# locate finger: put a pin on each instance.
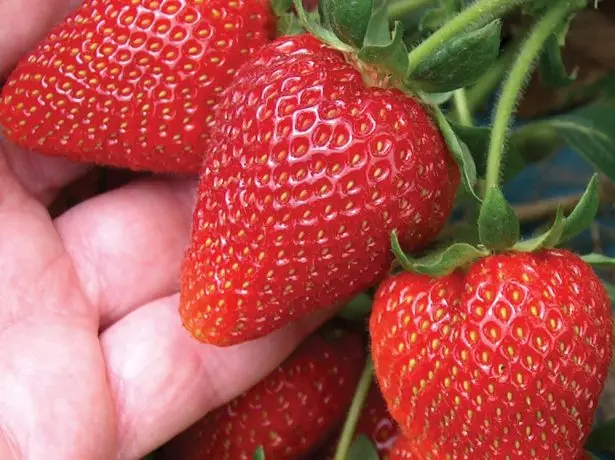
(164, 381)
(22, 26)
(127, 245)
(41, 176)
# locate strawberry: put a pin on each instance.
(403, 449)
(504, 360)
(308, 172)
(375, 423)
(132, 83)
(289, 413)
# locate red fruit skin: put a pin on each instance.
(131, 84)
(289, 413)
(403, 450)
(308, 173)
(506, 360)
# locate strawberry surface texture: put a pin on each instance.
(132, 83)
(505, 360)
(289, 413)
(308, 172)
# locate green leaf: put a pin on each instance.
(599, 260)
(584, 212)
(553, 72)
(590, 131)
(602, 437)
(436, 17)
(477, 139)
(439, 263)
(435, 98)
(549, 239)
(280, 7)
(459, 62)
(349, 19)
(289, 24)
(318, 30)
(460, 152)
(391, 51)
(498, 225)
(259, 453)
(362, 449)
(358, 308)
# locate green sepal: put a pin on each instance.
(259, 453)
(316, 29)
(584, 212)
(602, 437)
(439, 263)
(549, 239)
(358, 308)
(280, 7)
(598, 260)
(498, 224)
(348, 19)
(460, 152)
(460, 62)
(435, 98)
(553, 72)
(362, 448)
(289, 24)
(390, 52)
(477, 139)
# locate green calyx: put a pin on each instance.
(456, 55)
(499, 231)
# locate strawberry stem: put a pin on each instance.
(350, 425)
(481, 13)
(511, 91)
(462, 108)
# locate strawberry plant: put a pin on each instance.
(354, 157)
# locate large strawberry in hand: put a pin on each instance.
(288, 413)
(308, 171)
(506, 359)
(132, 83)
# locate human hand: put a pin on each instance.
(94, 362)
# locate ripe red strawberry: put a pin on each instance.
(288, 413)
(375, 423)
(403, 449)
(132, 83)
(505, 360)
(308, 172)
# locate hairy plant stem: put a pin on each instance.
(513, 86)
(481, 13)
(401, 8)
(479, 93)
(350, 425)
(462, 109)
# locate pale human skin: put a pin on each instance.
(94, 362)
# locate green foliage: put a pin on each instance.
(584, 212)
(459, 62)
(362, 449)
(549, 239)
(358, 308)
(498, 225)
(348, 19)
(477, 140)
(552, 69)
(280, 7)
(460, 152)
(440, 262)
(602, 437)
(259, 453)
